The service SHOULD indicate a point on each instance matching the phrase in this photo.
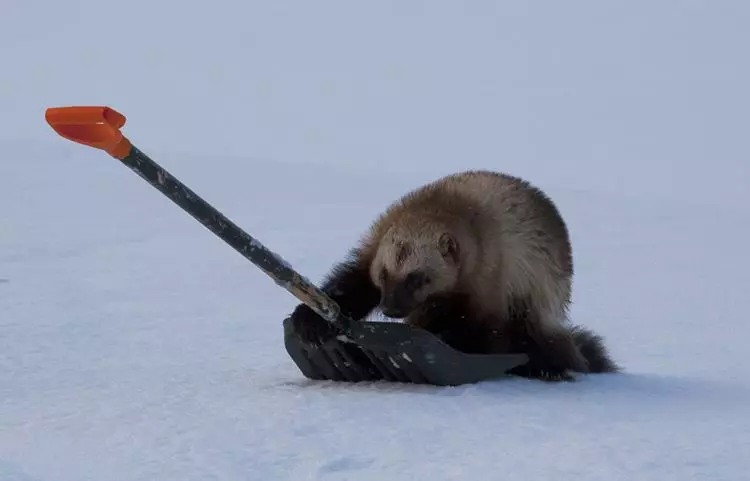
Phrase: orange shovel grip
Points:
(97, 127)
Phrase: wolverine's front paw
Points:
(312, 329)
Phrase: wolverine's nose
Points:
(396, 303)
(394, 312)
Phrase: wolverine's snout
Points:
(400, 296)
(397, 301)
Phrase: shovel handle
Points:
(99, 127)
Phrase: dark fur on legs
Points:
(551, 355)
(349, 284)
(547, 359)
(448, 317)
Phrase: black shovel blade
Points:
(394, 352)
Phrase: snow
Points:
(135, 345)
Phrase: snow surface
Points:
(135, 345)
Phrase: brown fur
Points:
(494, 265)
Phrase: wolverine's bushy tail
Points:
(593, 349)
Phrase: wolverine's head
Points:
(410, 267)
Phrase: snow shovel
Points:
(365, 351)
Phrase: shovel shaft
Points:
(253, 250)
(99, 127)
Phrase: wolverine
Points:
(482, 260)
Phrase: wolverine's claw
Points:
(532, 370)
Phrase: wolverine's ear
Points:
(448, 245)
